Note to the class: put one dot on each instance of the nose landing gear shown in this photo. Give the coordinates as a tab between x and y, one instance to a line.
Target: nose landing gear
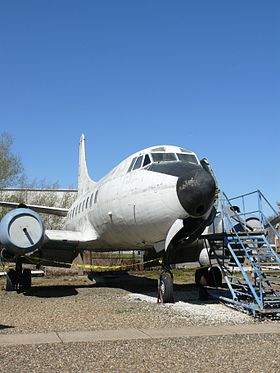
165	285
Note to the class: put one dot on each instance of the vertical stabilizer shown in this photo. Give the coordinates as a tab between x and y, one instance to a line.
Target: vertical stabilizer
84	181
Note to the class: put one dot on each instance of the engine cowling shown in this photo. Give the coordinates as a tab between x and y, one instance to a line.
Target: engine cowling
21	231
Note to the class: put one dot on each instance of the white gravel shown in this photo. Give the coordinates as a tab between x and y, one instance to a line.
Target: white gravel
201	312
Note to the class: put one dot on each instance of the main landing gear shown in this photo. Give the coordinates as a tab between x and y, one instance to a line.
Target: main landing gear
207	276
18	279
165	285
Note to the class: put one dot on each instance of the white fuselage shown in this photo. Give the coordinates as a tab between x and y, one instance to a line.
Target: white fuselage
130	207
138	214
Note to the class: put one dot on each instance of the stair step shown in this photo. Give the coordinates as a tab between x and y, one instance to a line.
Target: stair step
240	258
273	301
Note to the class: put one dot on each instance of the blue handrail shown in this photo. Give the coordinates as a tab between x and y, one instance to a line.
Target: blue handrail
254	246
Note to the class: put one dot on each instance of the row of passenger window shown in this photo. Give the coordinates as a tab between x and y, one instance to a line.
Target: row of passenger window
83	205
143	161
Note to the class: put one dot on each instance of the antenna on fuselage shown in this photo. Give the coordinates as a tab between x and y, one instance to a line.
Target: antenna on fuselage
84	181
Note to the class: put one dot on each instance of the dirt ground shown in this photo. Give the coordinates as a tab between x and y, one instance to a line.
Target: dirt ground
74	303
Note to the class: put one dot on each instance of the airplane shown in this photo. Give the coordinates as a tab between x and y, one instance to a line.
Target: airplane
159	200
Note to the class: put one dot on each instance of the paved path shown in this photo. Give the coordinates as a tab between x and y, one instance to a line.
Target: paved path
134	334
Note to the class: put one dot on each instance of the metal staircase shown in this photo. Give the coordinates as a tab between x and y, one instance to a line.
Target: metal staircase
239	242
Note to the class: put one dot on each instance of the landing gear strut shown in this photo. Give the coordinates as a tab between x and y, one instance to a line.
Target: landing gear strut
165	285
18	279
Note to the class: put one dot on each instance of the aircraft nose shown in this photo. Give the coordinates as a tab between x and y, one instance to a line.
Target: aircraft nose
196	191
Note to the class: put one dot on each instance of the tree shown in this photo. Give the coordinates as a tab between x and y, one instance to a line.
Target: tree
11	175
11	169
42	194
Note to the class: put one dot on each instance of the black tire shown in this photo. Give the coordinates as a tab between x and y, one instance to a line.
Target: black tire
11	280
215	277
199	273
166	287
26	279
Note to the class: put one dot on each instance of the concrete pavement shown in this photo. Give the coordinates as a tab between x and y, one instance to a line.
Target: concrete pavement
134	334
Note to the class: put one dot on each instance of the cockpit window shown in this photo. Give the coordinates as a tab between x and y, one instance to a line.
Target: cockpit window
138	163
163	157
146	160
132	164
187	158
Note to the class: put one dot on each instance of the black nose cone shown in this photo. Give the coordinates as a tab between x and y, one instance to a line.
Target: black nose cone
196	191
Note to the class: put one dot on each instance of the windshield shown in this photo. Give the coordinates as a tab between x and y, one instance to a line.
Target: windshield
187	158
143	161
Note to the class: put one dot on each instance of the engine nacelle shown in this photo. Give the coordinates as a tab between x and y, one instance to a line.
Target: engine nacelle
21	231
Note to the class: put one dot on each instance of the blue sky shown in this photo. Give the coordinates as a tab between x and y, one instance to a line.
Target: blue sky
130	74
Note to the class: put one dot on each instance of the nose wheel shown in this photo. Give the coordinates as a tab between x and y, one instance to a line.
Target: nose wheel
165	286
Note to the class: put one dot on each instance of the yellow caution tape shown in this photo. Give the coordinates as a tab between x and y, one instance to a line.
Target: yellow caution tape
35	260
5	268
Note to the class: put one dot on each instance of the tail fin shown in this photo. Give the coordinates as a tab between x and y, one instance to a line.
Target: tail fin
84	181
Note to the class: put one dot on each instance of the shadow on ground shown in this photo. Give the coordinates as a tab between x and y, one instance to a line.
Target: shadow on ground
56	291
146	286
2	327
121	280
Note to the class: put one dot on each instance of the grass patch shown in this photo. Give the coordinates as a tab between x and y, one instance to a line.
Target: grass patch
181	276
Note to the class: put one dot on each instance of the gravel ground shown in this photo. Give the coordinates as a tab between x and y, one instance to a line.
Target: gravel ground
208	354
69	304
80	305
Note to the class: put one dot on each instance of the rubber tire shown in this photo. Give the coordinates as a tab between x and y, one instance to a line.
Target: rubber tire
26	279
166	287
199	273
11	280
215	278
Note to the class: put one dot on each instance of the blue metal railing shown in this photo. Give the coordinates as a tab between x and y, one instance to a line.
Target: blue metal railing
250	244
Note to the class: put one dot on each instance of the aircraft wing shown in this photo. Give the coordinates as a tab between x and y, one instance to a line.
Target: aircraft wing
58	249
41	209
49	247
65	238
61	247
